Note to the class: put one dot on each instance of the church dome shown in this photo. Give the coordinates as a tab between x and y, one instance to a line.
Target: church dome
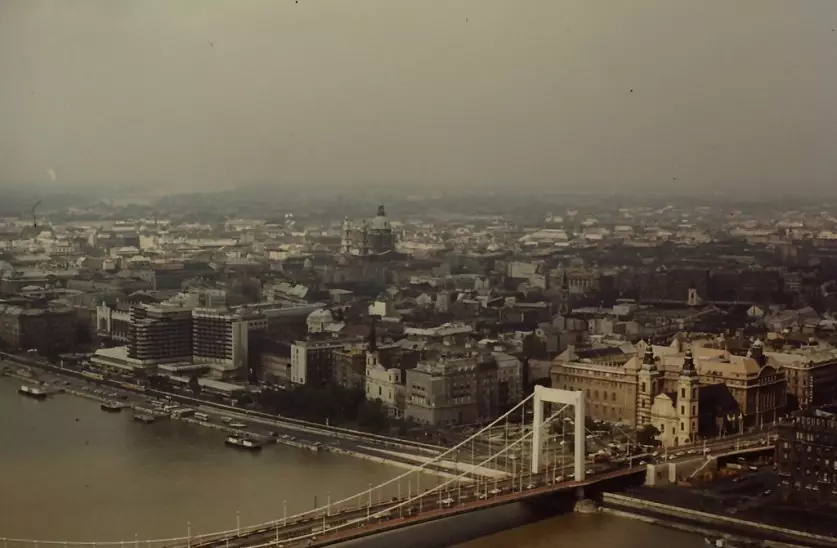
380	221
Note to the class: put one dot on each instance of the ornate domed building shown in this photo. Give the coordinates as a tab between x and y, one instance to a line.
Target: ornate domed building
379	234
371	237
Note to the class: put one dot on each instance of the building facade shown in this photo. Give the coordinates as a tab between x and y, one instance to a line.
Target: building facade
676	387
806	457
450	391
369	237
160	334
312	361
220	339
48	330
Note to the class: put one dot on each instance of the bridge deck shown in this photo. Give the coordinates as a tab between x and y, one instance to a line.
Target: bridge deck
408	515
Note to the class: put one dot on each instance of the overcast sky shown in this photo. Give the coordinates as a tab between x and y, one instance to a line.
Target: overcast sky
197	94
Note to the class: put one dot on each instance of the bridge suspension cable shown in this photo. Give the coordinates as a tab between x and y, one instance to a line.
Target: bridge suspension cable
369	491
409	501
195	540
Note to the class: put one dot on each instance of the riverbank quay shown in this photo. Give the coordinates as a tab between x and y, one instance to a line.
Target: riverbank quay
16	361
314	439
678	515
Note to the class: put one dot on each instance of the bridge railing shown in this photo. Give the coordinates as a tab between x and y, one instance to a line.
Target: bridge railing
309	515
397	507
367	494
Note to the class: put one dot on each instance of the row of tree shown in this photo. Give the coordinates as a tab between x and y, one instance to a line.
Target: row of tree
330	403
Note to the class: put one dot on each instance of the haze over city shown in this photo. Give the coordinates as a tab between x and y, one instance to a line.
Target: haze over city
205	95
425	274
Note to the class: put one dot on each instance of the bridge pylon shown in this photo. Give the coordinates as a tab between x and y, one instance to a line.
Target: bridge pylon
566	397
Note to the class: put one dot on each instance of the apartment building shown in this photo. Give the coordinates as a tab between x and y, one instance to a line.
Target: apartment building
47	329
453	390
806	457
312	361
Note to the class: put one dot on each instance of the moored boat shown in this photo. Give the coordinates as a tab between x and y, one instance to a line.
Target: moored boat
720	542
37	392
244	442
143	418
112	406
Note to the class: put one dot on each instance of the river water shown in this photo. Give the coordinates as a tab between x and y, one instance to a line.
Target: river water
70	472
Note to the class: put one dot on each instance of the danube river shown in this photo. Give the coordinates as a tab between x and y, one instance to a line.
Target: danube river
69	471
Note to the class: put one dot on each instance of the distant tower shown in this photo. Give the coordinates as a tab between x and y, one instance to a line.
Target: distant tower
563	300
364	238
649	380
687	400
346	243
693	298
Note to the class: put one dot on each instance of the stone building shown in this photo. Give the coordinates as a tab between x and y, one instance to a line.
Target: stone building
369	237
806	457
48	329
453	390
686	391
387	368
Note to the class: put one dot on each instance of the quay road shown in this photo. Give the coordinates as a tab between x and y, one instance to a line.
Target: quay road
455	498
11	360
340	440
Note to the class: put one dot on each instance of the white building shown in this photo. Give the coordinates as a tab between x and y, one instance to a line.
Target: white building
387	385
311	361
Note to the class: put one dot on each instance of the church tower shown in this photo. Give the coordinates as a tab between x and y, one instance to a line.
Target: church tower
364	239
346	243
648	380
687	400
563	297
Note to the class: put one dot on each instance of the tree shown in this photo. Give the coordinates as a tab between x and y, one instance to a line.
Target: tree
372	416
647	435
194	385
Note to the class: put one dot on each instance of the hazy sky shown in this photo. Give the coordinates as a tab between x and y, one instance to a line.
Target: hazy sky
193	93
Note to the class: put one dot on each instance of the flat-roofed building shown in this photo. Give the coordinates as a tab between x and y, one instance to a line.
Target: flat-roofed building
806	457
160	333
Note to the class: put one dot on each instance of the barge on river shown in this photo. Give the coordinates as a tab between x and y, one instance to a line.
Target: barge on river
144	418
112	406
244	442
37	392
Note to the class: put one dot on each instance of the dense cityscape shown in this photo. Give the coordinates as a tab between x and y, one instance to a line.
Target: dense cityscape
690	330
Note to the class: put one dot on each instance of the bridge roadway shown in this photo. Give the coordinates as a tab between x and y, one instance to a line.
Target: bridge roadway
451	500
433	505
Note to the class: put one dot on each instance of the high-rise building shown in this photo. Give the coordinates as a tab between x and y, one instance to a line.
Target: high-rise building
220	340
159	333
806	457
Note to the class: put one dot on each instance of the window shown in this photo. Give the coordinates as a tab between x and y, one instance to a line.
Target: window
682	392
682	426
682	409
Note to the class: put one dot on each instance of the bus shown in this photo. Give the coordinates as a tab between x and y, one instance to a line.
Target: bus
183	412
202	417
92	375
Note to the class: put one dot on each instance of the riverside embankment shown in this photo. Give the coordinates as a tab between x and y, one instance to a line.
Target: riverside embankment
405	454
707	523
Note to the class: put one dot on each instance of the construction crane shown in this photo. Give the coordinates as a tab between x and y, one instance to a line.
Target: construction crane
34	219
